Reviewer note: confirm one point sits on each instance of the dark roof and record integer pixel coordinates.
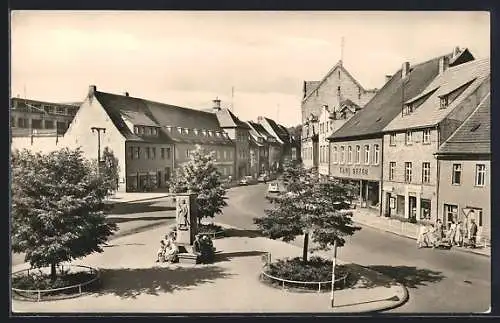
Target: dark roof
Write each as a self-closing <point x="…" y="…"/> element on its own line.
<point x="474" y="135"/>
<point x="260" y="129"/>
<point x="138" y="118"/>
<point x="281" y="131"/>
<point x="162" y="115"/>
<point x="388" y="101"/>
<point x="228" y="120"/>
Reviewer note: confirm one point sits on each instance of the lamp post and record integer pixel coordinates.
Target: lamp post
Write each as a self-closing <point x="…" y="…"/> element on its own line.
<point x="98" y="130"/>
<point x="332" y="299"/>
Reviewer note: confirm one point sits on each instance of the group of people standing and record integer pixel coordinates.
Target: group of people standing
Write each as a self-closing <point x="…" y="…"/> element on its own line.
<point x="455" y="234"/>
<point x="168" y="250"/>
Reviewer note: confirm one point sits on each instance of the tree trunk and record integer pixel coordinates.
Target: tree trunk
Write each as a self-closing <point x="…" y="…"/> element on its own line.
<point x="306" y="247"/>
<point x="53" y="273"/>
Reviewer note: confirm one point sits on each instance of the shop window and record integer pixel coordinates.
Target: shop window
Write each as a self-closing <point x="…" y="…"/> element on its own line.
<point x="36" y="124"/>
<point x="450" y="213"/>
<point x="425" y="209"/>
<point x="457" y="174"/>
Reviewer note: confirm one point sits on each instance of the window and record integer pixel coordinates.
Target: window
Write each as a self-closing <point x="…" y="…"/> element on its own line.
<point x="147" y="131"/>
<point x="154" y="131"/>
<point x="408" y="137"/>
<point x="367" y="154"/>
<point x="168" y="153"/>
<point x="137" y="152"/>
<point x="49" y="124"/>
<point x="392" y="139"/>
<point x="48" y="109"/>
<point x="60" y="110"/>
<point x="162" y="152"/>
<point x="480" y="174"/>
<point x="154" y="153"/>
<point x="130" y="154"/>
<point x="188" y="153"/>
<point x="443" y="102"/>
<point x="141" y="130"/>
<point x="426" y="136"/>
<point x="349" y="155"/>
<point x="342" y="154"/>
<point x="358" y="154"/>
<point x="451" y="213"/>
<point x="335" y="155"/>
<point x="392" y="170"/>
<point x="426" y="172"/>
<point x="136" y="130"/>
<point x="148" y="153"/>
<point x="457" y="174"/>
<point x="408" y="172"/>
<point x="376" y="154"/>
<point x="167" y="174"/>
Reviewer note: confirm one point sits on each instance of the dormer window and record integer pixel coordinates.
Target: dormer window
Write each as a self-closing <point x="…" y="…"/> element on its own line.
<point x="154" y="131"/>
<point x="444" y="102"/>
<point x="179" y="129"/>
<point x="136" y="130"/>
<point x="195" y="131"/>
<point x="147" y="131"/>
<point x="141" y="130"/>
<point x="204" y="132"/>
<point x="210" y="133"/>
<point x="169" y="128"/>
<point x="408" y="109"/>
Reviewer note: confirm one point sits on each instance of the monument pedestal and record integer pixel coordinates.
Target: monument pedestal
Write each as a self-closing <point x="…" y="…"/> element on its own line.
<point x="187" y="256"/>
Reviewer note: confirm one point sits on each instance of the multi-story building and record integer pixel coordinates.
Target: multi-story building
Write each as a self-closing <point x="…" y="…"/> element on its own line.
<point x="29" y="117"/>
<point x="282" y="147"/>
<point x="329" y="121"/>
<point x="356" y="149"/>
<point x="149" y="139"/>
<point x="269" y="145"/>
<point x="464" y="164"/>
<point x="238" y="132"/>
<point x="336" y="86"/>
<point x="425" y="122"/>
<point x="257" y="151"/>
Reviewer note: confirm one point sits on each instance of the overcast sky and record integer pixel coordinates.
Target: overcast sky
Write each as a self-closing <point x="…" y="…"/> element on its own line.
<point x="189" y="58"/>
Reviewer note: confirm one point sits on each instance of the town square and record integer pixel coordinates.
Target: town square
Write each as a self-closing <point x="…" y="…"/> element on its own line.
<point x="268" y="170"/>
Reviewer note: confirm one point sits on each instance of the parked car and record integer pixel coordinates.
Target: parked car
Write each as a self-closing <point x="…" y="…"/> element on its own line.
<point x="273" y="187"/>
<point x="243" y="181"/>
<point x="263" y="178"/>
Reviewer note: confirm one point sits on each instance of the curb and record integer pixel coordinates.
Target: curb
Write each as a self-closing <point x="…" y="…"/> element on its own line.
<point x="412" y="238"/>
<point x="402" y="301"/>
<point x="139" y="200"/>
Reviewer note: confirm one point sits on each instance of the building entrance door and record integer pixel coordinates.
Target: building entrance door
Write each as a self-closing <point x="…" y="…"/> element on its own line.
<point x="412" y="207"/>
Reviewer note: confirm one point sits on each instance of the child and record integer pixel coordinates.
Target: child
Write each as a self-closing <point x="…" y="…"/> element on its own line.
<point x="160" y="255"/>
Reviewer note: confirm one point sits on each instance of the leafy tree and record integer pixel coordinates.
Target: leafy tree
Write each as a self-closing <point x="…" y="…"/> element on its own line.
<point x="110" y="169"/>
<point x="57" y="207"/>
<point x="200" y="176"/>
<point x="309" y="206"/>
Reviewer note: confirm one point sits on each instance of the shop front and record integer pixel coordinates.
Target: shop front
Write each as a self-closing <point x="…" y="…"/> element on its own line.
<point x="143" y="181"/>
<point x="408" y="201"/>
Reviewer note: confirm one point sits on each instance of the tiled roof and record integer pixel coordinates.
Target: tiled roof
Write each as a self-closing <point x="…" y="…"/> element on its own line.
<point x="138" y="118"/>
<point x="260" y="129"/>
<point x="474" y="135"/>
<point x="228" y="120"/>
<point x="429" y="113"/>
<point x="278" y="129"/>
<point x="388" y="101"/>
<point x="163" y="115"/>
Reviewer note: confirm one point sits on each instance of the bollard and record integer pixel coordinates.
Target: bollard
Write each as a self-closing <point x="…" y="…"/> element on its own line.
<point x="319" y="288"/>
<point x="283" y="284"/>
<point x="79" y="289"/>
<point x="39" y="296"/>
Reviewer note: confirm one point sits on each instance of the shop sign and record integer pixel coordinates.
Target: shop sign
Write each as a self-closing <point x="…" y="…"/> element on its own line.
<point x="354" y="171"/>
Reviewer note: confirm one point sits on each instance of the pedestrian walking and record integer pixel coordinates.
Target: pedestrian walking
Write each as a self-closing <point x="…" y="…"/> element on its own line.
<point x="422" y="239"/>
<point x="472" y="233"/>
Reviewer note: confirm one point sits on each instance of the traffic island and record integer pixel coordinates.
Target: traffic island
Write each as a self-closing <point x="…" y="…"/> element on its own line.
<point x="37" y="285"/>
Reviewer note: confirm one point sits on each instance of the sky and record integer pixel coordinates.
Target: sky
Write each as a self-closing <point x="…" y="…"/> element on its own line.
<point x="188" y="58"/>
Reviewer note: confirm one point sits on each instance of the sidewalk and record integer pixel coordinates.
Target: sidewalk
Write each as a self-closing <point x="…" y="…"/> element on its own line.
<point x="372" y="219"/>
<point x="133" y="282"/>
<point x="128" y="197"/>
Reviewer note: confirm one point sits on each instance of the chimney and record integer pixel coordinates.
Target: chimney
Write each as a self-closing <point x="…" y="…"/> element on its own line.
<point x="216" y="105"/>
<point x="405" y="69"/>
<point x="126" y="94"/>
<point x="443" y="64"/>
<point x="92" y="90"/>
<point x="388" y="78"/>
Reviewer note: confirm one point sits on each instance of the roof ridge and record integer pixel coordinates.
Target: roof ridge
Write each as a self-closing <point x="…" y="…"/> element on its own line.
<point x="467" y="119"/>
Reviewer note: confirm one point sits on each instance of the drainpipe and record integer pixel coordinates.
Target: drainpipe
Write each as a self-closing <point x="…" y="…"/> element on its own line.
<point x="438" y="175"/>
<point x="380" y="188"/>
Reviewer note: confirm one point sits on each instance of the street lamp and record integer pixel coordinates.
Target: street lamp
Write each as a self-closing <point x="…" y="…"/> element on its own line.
<point x="98" y="130"/>
<point x="333" y="271"/>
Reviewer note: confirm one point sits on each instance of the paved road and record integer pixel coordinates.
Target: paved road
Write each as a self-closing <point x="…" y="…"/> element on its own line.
<point x="438" y="280"/>
<point x="131" y="218"/>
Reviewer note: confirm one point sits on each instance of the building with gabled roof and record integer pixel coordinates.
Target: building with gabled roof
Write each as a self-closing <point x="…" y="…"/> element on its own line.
<point x="332" y="91"/>
<point x="150" y="139"/>
<point x="464" y="163"/>
<point x="357" y="150"/>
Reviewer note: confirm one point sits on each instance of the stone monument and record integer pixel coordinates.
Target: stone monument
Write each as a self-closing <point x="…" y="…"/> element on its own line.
<point x="187" y="226"/>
